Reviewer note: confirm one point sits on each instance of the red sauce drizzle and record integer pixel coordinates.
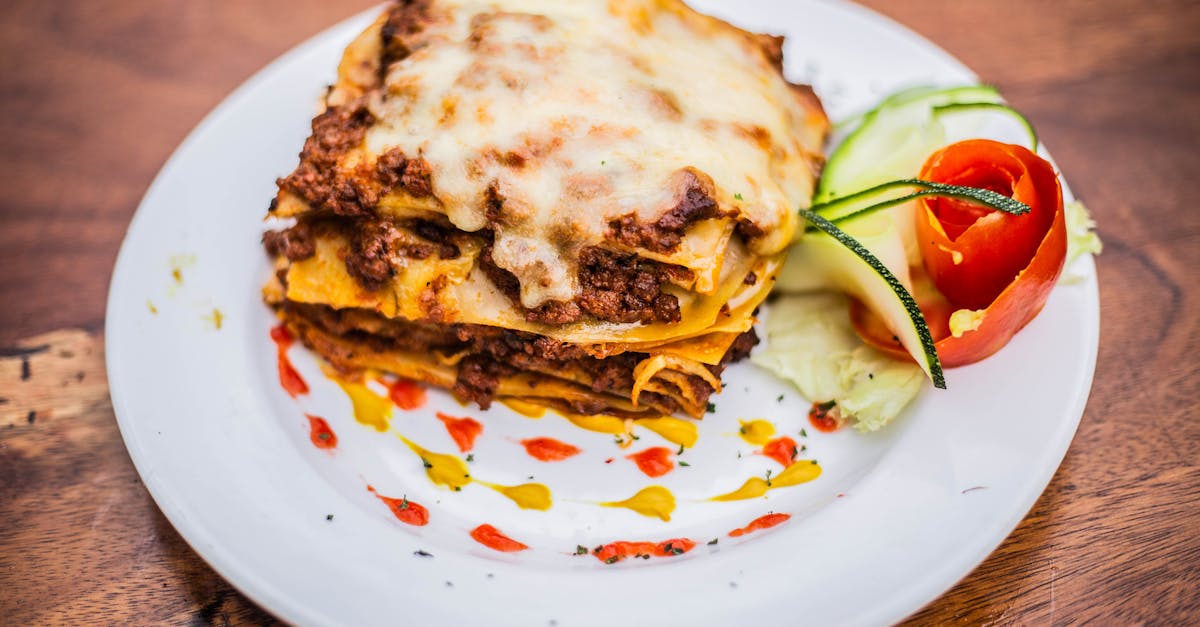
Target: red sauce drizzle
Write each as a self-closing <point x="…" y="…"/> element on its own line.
<point x="655" y="462"/>
<point x="614" y="552"/>
<point x="463" y="430"/>
<point x="320" y="433"/>
<point x="407" y="395"/>
<point x="491" y="537"/>
<point x="291" y="380"/>
<point x="760" y="523"/>
<point x="406" y="511"/>
<point x="825" y="417"/>
<point x="549" y="449"/>
<point x="782" y="450"/>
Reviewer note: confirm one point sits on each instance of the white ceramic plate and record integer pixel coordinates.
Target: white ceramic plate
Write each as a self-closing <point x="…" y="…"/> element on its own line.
<point x="894" y="521"/>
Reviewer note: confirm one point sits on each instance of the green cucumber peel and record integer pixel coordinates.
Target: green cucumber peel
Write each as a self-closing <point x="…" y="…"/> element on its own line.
<point x="910" y="304"/>
<point x="911" y="95"/>
<point x="985" y="197"/>
<point x="959" y="107"/>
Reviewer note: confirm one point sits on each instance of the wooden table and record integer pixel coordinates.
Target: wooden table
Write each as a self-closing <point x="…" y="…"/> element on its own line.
<point x="95" y="95"/>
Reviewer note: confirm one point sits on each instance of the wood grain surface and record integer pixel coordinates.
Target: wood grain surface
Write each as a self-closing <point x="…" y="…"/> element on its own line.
<point x="95" y="95"/>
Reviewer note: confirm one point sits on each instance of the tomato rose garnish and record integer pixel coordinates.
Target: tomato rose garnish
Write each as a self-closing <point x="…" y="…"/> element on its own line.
<point x="992" y="271"/>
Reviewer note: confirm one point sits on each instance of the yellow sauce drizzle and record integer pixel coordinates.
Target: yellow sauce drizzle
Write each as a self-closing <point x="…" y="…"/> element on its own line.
<point x="673" y="430"/>
<point x="753" y="488"/>
<point x="525" y="408"/>
<point x="799" y="472"/>
<point x="441" y="469"/>
<point x="756" y="432"/>
<point x="654" y="501"/>
<point x="370" y="408"/>
<point x="452" y="472"/>
<point x="599" y="423"/>
<point x="526" y="496"/>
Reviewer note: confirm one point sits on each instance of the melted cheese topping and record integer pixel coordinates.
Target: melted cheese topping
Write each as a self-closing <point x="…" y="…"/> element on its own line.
<point x="576" y="113"/>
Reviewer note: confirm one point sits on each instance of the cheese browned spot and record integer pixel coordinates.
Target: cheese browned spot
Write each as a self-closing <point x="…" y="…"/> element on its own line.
<point x="693" y="201"/>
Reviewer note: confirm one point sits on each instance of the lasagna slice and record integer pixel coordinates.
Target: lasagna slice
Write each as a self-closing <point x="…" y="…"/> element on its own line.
<point x="577" y="205"/>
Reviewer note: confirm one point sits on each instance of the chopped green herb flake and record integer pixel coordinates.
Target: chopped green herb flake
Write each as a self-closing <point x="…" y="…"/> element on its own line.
<point x="779" y="399"/>
<point x="580" y="549"/>
<point x="470" y="457"/>
<point x="425" y="462"/>
<point x="712" y="408"/>
<point x="680" y="451"/>
<point x="684" y="464"/>
<point x="803" y="433"/>
<point x="738" y="196"/>
<point x="328" y="516"/>
<point x="713" y="541"/>
<point x="612" y="560"/>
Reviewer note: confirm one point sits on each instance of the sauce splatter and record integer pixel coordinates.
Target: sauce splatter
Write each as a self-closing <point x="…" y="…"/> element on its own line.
<point x="462" y="430"/>
<point x="289" y="379"/>
<point x="673" y="430"/>
<point x="757" y="432"/>
<point x="760" y="523"/>
<point x="370" y="408"/>
<point x="319" y="432"/>
<point x="406" y="511"/>
<point x="654" y="501"/>
<point x="452" y="472"/>
<point x="614" y="552"/>
<point x="491" y="537"/>
<point x="782" y="450"/>
<point x="216" y="318"/>
<point x="825" y="417"/>
<point x="798" y="472"/>
<point x="549" y="449"/>
<point x="655" y="462"/>
<point x="407" y="395"/>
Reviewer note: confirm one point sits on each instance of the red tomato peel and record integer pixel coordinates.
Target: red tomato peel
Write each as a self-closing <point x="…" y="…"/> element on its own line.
<point x="980" y="259"/>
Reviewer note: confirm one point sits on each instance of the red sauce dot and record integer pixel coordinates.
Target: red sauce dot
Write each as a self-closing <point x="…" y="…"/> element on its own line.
<point x="616" y="551"/>
<point x="825" y="417"/>
<point x="289" y="379"/>
<point x="319" y="432"/>
<point x="406" y="511"/>
<point x="760" y="523"/>
<point x="782" y="450"/>
<point x="462" y="430"/>
<point x="407" y="395"/>
<point x="549" y="449"/>
<point x="491" y="537"/>
<point x="655" y="462"/>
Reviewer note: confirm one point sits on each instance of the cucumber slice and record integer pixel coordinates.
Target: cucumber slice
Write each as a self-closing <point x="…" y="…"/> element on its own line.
<point x="941" y="111"/>
<point x="894" y="138"/>
<point x="883" y="292"/>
